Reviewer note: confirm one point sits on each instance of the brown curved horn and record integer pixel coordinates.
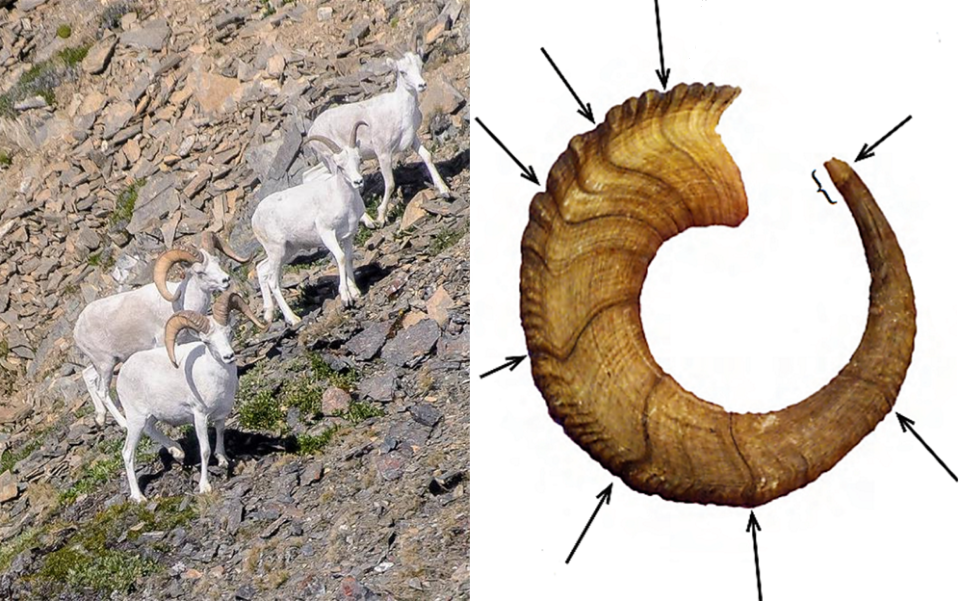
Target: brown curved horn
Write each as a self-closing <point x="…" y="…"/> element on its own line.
<point x="165" y="262"/>
<point x="178" y="321"/>
<point x="324" y="140"/>
<point x="655" y="167"/>
<point x="355" y="129"/>
<point x="230" y="301"/>
<point x="211" y="242"/>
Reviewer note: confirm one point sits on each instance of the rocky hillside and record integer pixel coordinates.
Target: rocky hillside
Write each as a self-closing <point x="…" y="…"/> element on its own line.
<point x="129" y="126"/>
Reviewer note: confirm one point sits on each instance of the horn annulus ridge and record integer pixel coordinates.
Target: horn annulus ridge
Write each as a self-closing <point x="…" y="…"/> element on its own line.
<point x="652" y="169"/>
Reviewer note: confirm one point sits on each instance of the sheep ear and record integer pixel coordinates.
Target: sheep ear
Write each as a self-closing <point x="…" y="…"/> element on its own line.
<point x="327" y="160"/>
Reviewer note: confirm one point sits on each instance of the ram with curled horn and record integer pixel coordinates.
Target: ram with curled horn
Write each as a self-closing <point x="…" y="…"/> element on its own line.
<point x="111" y="329"/>
<point x="325" y="210"/>
<point x="394" y="119"/>
<point x="654" y="168"/>
<point x="193" y="383"/>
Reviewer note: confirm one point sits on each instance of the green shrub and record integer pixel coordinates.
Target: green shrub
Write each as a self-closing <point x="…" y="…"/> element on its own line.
<point x="305" y="394"/>
<point x="444" y="239"/>
<point x="5" y="159"/>
<point x="322" y="371"/>
<point x="359" y="411"/>
<point x="71" y="57"/>
<point x="307" y="444"/>
<point x="261" y="412"/>
<point x="127" y="201"/>
<point x="64" y="31"/>
<point x="363" y="234"/>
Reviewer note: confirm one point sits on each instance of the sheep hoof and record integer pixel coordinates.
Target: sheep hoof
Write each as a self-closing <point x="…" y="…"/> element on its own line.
<point x="295" y="321"/>
<point x="222" y="460"/>
<point x="101" y="419"/>
<point x="138" y="498"/>
<point x="205" y="488"/>
<point x="446" y="194"/>
<point x="177" y="453"/>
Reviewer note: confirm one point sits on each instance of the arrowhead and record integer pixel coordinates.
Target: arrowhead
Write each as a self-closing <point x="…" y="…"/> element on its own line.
<point x="588" y="113"/>
<point x="515" y="360"/>
<point x="605" y="494"/>
<point x="663" y="76"/>
<point x="905" y="422"/>
<point x="753" y="524"/>
<point x="528" y="174"/>
<point x="864" y="154"/>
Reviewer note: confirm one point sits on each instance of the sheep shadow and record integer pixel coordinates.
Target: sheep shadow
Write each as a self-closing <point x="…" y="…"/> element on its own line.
<point x="411" y="176"/>
<point x="238" y="445"/>
<point x="315" y="293"/>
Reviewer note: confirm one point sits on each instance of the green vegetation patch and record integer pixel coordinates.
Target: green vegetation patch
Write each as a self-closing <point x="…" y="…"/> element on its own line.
<point x="127" y="201"/>
<point x="308" y="444"/>
<point x="64" y="31"/>
<point x="93" y="559"/>
<point x="321" y="370"/>
<point x="359" y="411"/>
<point x="25" y="540"/>
<point x="43" y="78"/>
<point x="10" y="457"/>
<point x="363" y="234"/>
<point x="444" y="239"/>
<point x="5" y="159"/>
<point x="99" y="472"/>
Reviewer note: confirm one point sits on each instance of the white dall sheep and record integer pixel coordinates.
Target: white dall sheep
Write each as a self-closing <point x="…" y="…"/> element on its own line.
<point x="325" y="209"/>
<point x="201" y="389"/>
<point x="111" y="329"/>
<point x="394" y="119"/>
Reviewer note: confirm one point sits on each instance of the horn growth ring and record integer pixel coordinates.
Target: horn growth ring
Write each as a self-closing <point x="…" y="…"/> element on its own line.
<point x="652" y="169"/>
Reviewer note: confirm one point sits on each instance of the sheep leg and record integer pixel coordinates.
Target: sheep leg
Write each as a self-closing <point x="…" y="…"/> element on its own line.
<point x="274" y="283"/>
<point x="434" y="174"/>
<point x="173" y="447"/>
<point x="90" y="379"/>
<point x="203" y="437"/>
<point x="386" y="170"/>
<point x="105" y="377"/>
<point x="219" y="452"/>
<point x="329" y="238"/>
<point x="348" y="264"/>
<point x="134" y="430"/>
<point x="263" y="276"/>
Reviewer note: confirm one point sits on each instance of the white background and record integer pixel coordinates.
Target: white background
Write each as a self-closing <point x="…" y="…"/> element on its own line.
<point x="754" y="318"/>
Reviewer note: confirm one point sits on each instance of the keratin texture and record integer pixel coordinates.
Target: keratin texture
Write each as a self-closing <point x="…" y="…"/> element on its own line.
<point x="654" y="168"/>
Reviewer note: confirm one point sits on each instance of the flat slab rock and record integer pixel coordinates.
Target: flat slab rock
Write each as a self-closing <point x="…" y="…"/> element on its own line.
<point x="367" y="344"/>
<point x="412" y="344"/>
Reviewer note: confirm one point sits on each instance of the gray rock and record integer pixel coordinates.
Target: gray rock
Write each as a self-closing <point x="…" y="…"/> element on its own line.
<point x="425" y="414"/>
<point x="246" y="592"/>
<point x="455" y="348"/>
<point x="157" y="199"/>
<point x="365" y="345"/>
<point x="335" y="400"/>
<point x="358" y="31"/>
<point x="311" y="473"/>
<point x="379" y="387"/>
<point x="152" y="36"/>
<point x="97" y="58"/>
<point x="287" y="152"/>
<point x="8" y="487"/>
<point x="117" y="117"/>
<point x="410" y="346"/>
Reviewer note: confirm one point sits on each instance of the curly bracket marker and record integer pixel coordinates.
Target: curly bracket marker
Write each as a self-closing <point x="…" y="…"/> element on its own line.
<point x="820" y="188"/>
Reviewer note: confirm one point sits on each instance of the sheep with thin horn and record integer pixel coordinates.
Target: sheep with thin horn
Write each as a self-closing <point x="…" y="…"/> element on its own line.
<point x="197" y="389"/>
<point x="394" y="119"/>
<point x="324" y="210"/>
<point x="111" y="329"/>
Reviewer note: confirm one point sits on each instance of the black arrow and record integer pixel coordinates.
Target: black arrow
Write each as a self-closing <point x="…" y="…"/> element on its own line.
<point x="512" y="363"/>
<point x="752" y="526"/>
<point x="906" y="422"/>
<point x="527" y="172"/>
<point x="866" y="153"/>
<point x="584" y="110"/>
<point x="603" y="496"/>
<point x="662" y="73"/>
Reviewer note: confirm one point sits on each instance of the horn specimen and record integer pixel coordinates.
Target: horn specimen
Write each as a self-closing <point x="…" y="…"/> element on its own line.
<point x="356" y="128"/>
<point x="166" y="261"/>
<point x="178" y="321"/>
<point x="233" y="301"/>
<point x="655" y="167"/>
<point x="211" y="242"/>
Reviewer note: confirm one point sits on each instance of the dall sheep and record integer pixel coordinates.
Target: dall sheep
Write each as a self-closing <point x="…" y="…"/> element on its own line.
<point x="326" y="209"/>
<point x="201" y="389"/>
<point x="111" y="329"/>
<point x="394" y="119"/>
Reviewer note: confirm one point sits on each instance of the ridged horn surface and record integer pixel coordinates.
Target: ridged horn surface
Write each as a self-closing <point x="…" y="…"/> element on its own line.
<point x="165" y="261"/>
<point x="179" y="321"/>
<point x="231" y="301"/>
<point x="654" y="168"/>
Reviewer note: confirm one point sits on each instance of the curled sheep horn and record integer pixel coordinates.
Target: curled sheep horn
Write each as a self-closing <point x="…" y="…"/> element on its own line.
<point x="356" y="128"/>
<point x="655" y="167"/>
<point x="233" y="301"/>
<point x="211" y="242"/>
<point x="178" y="321"/>
<point x="188" y="254"/>
<point x="325" y="141"/>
